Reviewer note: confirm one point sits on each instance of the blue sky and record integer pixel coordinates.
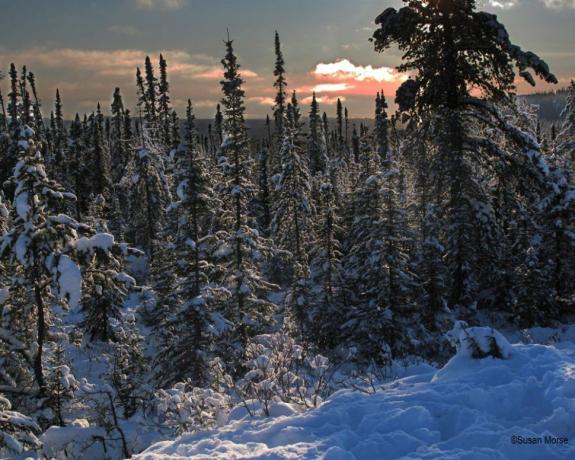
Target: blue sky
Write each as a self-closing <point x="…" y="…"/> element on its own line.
<point x="86" y="48"/>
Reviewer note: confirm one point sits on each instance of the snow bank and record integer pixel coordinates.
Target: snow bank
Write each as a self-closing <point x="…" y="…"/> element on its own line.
<point x="469" y="409"/>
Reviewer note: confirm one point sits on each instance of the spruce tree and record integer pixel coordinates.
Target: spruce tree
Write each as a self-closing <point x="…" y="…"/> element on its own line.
<point x="187" y="329"/>
<point x="34" y="247"/>
<point x="164" y="110"/>
<point x="248" y="309"/>
<point x="326" y="309"/>
<point x="119" y="146"/>
<point x="280" y="84"/>
<point x="381" y="129"/>
<point x="442" y="88"/>
<point x="316" y="146"/>
<point x="291" y="226"/>
<point x="339" y="118"/>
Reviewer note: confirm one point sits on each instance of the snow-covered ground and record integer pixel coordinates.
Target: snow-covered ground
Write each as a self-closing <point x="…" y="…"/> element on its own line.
<point x="469" y="409"/>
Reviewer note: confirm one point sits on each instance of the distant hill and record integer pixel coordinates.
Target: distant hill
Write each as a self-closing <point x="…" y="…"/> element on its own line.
<point x="550" y="104"/>
<point x="257" y="127"/>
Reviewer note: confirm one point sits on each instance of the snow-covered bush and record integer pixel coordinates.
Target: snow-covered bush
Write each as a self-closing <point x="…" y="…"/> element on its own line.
<point x="17" y="431"/>
<point x="479" y="342"/>
<point x="185" y="408"/>
<point x="78" y="440"/>
<point x="278" y="369"/>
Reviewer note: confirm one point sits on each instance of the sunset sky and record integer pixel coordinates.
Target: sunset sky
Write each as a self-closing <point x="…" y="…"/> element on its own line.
<point x="86" y="48"/>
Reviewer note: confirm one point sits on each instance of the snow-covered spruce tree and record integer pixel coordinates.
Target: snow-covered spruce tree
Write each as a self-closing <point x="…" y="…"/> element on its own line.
<point x="264" y="193"/>
<point x="355" y="144"/>
<point x="564" y="140"/>
<point x="381" y="130"/>
<point x="34" y="248"/>
<point x="339" y="122"/>
<point x="57" y="139"/>
<point x="99" y="158"/>
<point x="326" y="308"/>
<point x="119" y="148"/>
<point x="218" y="129"/>
<point x="76" y="169"/>
<point x="557" y="212"/>
<point x="279" y="109"/>
<point x="9" y="153"/>
<point x="60" y="381"/>
<point x="292" y="226"/>
<point x="105" y="285"/>
<point x="377" y="272"/>
<point x="292" y="209"/>
<point x="242" y="248"/>
<point x="18" y="433"/>
<point x="475" y="52"/>
<point x="316" y="144"/>
<point x="164" y="109"/>
<point x="149" y="193"/>
<point x="187" y="330"/>
<point x="150" y="93"/>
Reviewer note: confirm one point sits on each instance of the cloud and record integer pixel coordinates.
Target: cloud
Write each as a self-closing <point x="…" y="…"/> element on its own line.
<point x="559" y="4"/>
<point x="331" y="87"/>
<point x="217" y="73"/>
<point x="326" y="100"/>
<point x="160" y="4"/>
<point x="116" y="62"/>
<point x="262" y="100"/>
<point x="552" y="4"/>
<point x="343" y="69"/>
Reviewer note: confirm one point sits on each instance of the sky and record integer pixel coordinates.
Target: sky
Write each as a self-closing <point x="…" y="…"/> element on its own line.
<point x="88" y="47"/>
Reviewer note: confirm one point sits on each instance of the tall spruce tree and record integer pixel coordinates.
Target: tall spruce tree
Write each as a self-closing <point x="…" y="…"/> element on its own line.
<point x="280" y="84"/>
<point x="316" y="144"/>
<point x="164" y="109"/>
<point x="248" y="310"/>
<point x="475" y="52"/>
<point x="187" y="328"/>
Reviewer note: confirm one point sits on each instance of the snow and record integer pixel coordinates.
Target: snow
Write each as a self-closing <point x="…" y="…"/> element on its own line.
<point x="24" y="145"/>
<point x="469" y="409"/>
<point x="22" y="205"/>
<point x="78" y="441"/>
<point x="69" y="281"/>
<point x="21" y="248"/>
<point x="103" y="241"/>
<point x="482" y="337"/>
<point x="4" y="295"/>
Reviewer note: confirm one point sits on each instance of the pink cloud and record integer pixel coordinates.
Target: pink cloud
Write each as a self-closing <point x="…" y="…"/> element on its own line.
<point x="332" y="87"/>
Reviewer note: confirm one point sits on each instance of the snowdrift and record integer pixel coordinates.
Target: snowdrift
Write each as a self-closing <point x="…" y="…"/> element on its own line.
<point x="473" y="409"/>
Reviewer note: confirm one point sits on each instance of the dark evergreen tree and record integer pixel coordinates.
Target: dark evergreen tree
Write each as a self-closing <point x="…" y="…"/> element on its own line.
<point x="280" y="84"/>
<point x="425" y="31"/>
<point x="326" y="309"/>
<point x="187" y="329"/>
<point x="164" y="109"/>
<point x="316" y="147"/>
<point x="381" y="129"/>
<point x="119" y="147"/>
<point x="248" y="310"/>
<point x="339" y="119"/>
